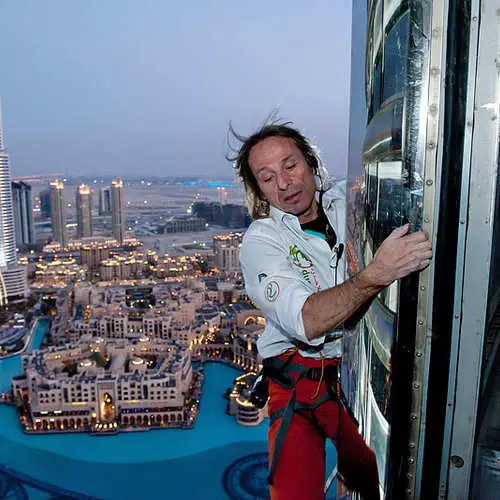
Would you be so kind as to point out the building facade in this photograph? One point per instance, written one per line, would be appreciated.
(227, 252)
(105, 201)
(58, 212)
(13, 277)
(23, 214)
(85, 386)
(117, 208)
(84, 211)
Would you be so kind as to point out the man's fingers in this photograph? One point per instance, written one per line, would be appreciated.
(415, 237)
(400, 231)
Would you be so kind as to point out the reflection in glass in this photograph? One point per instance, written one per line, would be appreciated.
(379, 430)
(389, 213)
(395, 58)
(381, 385)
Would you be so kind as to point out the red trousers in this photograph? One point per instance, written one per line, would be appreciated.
(300, 471)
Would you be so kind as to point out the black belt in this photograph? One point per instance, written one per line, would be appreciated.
(317, 348)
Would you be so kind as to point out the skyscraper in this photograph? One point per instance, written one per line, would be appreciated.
(23, 214)
(84, 211)
(45, 203)
(13, 282)
(117, 208)
(7, 237)
(58, 212)
(105, 201)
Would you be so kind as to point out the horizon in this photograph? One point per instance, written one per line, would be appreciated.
(154, 90)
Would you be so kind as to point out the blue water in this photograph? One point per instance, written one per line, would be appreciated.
(170, 464)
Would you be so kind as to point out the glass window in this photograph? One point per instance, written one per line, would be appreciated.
(381, 385)
(377, 81)
(395, 58)
(390, 187)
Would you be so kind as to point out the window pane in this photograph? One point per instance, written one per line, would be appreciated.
(395, 57)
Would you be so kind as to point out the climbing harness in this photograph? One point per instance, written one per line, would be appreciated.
(279, 371)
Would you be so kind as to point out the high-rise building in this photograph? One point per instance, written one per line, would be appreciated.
(7, 237)
(117, 208)
(23, 214)
(84, 211)
(105, 201)
(221, 195)
(13, 282)
(227, 252)
(45, 203)
(58, 212)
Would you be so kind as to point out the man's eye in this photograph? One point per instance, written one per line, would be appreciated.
(267, 179)
(289, 167)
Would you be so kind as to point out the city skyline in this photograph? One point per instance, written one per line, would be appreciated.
(154, 91)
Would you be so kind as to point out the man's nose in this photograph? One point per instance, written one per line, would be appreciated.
(283, 181)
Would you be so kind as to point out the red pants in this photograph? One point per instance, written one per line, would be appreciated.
(300, 472)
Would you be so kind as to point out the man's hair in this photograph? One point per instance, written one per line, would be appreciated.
(258, 207)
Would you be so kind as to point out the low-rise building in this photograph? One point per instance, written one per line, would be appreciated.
(114, 383)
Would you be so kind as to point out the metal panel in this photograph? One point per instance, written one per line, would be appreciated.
(422, 141)
(432, 175)
(479, 226)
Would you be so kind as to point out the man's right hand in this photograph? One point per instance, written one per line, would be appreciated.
(399, 255)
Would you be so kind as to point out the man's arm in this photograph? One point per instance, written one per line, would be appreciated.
(398, 256)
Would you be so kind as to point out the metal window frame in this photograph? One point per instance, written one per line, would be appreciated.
(476, 225)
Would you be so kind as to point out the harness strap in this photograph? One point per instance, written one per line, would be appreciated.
(286, 418)
(278, 370)
(300, 406)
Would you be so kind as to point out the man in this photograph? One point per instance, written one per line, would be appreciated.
(293, 265)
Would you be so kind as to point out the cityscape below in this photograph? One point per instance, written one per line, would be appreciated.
(115, 294)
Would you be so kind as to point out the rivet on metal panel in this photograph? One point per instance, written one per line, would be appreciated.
(409, 476)
(462, 221)
(456, 316)
(494, 117)
(469, 123)
(423, 288)
(416, 386)
(411, 460)
(409, 492)
(436, 32)
(433, 109)
(457, 461)
(420, 322)
(487, 220)
(418, 354)
(431, 145)
(429, 182)
(413, 416)
(427, 219)
(474, 18)
(411, 445)
(434, 70)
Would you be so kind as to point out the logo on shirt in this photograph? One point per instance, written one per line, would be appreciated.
(304, 263)
(299, 259)
(272, 291)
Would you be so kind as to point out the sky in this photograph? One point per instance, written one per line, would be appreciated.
(148, 88)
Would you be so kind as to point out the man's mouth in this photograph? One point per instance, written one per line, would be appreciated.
(292, 197)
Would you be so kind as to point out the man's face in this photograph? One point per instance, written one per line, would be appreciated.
(285, 179)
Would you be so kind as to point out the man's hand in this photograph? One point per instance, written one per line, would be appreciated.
(399, 255)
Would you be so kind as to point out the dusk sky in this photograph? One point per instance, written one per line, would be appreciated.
(128, 87)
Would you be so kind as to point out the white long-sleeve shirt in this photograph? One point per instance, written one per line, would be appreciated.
(283, 266)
